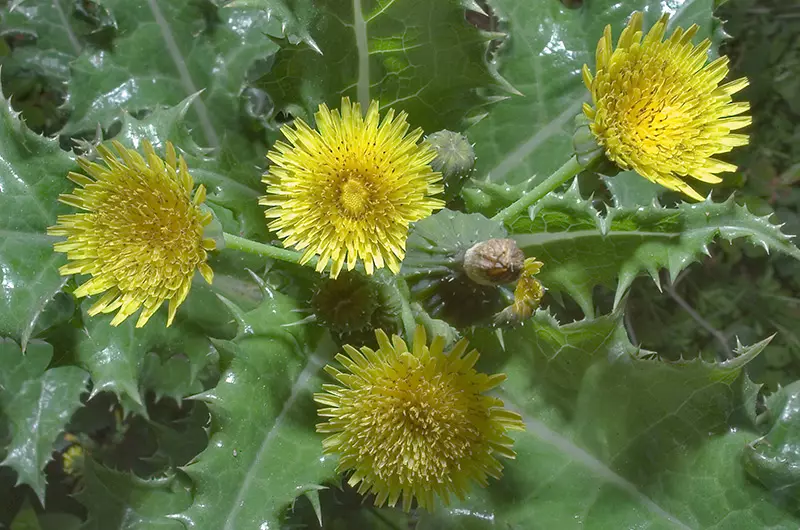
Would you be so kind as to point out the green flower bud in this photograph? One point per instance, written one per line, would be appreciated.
(346, 304)
(455, 160)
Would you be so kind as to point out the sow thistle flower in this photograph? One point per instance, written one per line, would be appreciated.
(140, 235)
(416, 423)
(659, 109)
(349, 190)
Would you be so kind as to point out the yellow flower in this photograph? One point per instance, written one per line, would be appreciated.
(659, 109)
(412, 424)
(350, 190)
(73, 460)
(140, 235)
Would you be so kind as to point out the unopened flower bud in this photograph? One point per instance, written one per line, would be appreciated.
(455, 160)
(494, 262)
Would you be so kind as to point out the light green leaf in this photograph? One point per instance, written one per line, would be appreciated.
(263, 451)
(547, 45)
(33, 172)
(581, 248)
(125, 502)
(615, 438)
(37, 403)
(414, 55)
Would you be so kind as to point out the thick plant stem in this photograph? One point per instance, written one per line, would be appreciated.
(570, 168)
(267, 251)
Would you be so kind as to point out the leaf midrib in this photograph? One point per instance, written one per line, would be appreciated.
(577, 454)
(315, 363)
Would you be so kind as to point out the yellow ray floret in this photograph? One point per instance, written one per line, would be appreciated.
(348, 190)
(415, 424)
(140, 235)
(659, 109)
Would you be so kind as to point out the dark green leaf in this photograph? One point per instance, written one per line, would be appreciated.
(263, 451)
(413, 55)
(126, 502)
(38, 404)
(33, 172)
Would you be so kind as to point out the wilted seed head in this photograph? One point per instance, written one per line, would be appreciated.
(658, 108)
(140, 235)
(494, 262)
(528, 295)
(416, 423)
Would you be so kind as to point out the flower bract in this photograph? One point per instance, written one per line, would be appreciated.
(348, 190)
(415, 423)
(659, 109)
(140, 234)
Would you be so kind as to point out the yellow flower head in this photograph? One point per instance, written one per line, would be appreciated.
(414, 423)
(659, 109)
(349, 190)
(140, 235)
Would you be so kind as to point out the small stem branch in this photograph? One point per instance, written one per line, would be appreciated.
(570, 168)
(717, 334)
(267, 251)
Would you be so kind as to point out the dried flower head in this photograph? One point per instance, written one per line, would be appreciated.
(140, 235)
(528, 295)
(416, 423)
(348, 191)
(494, 262)
(658, 108)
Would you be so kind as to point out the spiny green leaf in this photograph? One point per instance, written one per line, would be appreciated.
(38, 404)
(547, 45)
(115, 356)
(582, 248)
(33, 172)
(126, 502)
(167, 50)
(774, 459)
(263, 451)
(619, 439)
(413, 55)
(45, 36)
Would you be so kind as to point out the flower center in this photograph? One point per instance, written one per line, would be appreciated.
(354, 196)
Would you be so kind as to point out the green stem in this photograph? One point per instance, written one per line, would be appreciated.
(570, 168)
(267, 251)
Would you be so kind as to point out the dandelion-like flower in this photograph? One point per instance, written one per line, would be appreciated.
(416, 423)
(140, 235)
(659, 109)
(349, 190)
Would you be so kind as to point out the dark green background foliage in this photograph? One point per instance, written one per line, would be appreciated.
(645, 406)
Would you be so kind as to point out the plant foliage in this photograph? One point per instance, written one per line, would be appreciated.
(641, 407)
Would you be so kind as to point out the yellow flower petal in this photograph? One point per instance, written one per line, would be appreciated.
(348, 191)
(140, 235)
(658, 108)
(414, 424)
